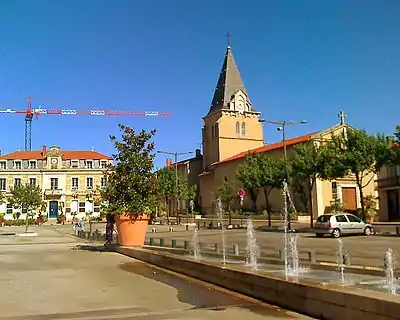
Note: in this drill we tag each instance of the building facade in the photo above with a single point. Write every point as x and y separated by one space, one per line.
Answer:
69 180
232 130
388 186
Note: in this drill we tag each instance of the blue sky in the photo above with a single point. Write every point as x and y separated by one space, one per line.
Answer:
298 59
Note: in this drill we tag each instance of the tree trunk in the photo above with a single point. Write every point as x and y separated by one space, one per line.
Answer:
310 194
360 189
26 222
230 214
253 197
266 194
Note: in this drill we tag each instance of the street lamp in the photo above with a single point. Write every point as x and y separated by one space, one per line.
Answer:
281 127
176 154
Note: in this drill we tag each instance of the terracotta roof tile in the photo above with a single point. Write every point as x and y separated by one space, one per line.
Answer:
268 147
67 155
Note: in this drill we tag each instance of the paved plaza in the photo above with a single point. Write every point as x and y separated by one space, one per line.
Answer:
54 276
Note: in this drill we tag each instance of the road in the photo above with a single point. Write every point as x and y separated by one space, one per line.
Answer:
361 249
54 276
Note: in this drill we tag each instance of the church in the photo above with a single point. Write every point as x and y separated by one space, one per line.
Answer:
232 129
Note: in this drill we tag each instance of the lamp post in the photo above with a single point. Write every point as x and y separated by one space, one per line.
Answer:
176 154
281 127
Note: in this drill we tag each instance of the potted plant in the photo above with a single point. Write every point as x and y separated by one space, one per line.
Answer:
131 185
370 205
2 220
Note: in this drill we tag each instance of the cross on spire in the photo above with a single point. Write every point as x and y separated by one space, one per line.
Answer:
229 37
342 117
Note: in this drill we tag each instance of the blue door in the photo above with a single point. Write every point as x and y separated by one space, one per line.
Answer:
53 209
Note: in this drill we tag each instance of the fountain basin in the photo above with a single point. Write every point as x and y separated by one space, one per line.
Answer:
326 301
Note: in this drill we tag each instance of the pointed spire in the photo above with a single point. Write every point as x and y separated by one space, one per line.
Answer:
229 82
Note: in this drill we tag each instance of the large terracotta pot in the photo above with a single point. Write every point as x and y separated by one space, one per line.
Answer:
131 233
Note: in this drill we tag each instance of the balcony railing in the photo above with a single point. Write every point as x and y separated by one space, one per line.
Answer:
53 192
388 182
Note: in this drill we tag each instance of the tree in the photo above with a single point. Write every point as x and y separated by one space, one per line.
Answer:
272 173
166 186
309 163
131 181
186 192
358 155
227 193
249 175
28 197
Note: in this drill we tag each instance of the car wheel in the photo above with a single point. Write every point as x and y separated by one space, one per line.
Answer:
319 235
336 233
367 231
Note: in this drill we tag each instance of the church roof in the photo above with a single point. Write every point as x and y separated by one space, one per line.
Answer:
229 82
270 147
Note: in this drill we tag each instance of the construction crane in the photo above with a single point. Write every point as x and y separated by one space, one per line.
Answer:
30 112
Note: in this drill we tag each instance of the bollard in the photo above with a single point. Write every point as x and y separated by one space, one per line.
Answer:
281 254
171 229
187 227
198 225
151 242
161 242
173 243
397 230
312 256
154 230
236 249
216 247
187 245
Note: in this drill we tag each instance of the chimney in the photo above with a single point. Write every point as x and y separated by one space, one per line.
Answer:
169 162
390 140
44 150
198 153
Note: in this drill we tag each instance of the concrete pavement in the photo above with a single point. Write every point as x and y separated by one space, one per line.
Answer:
53 276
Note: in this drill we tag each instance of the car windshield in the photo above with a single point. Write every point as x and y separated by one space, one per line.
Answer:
324 218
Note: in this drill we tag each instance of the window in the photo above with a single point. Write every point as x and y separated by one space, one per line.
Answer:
341 218
103 164
53 183
9 208
353 218
216 129
89 183
103 182
89 164
3 165
18 165
74 164
324 218
82 207
243 129
32 182
3 184
237 127
17 181
75 183
32 164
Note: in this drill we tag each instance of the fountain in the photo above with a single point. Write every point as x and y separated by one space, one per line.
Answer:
196 245
294 255
251 248
342 259
220 214
285 221
390 281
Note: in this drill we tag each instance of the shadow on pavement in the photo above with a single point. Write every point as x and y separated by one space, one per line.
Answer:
200 295
94 248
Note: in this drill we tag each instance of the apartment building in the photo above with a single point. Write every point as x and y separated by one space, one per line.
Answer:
69 180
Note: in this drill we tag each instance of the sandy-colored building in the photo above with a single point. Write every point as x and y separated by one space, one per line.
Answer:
232 130
68 179
388 186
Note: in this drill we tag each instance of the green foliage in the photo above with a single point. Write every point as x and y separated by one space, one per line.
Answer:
131 182
249 173
28 197
185 191
335 207
227 193
360 155
370 203
166 182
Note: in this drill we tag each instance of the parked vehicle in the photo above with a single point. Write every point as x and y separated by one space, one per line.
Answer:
338 224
